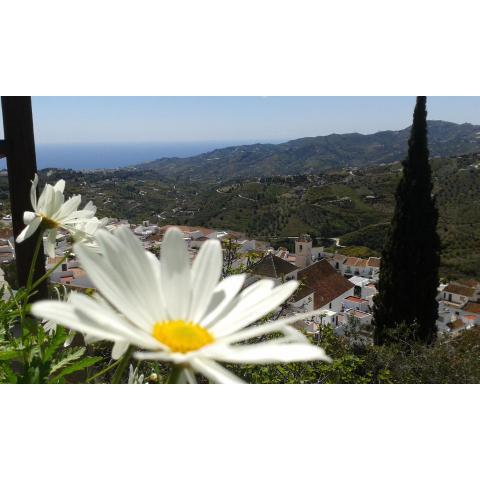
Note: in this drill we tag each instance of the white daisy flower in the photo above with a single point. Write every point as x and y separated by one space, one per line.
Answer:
85 231
52 212
49 326
176 313
133 376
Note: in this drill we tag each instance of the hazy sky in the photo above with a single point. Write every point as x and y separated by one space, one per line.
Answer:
184 119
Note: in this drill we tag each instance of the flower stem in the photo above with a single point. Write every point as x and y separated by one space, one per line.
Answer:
175 374
105 370
34 259
50 271
122 366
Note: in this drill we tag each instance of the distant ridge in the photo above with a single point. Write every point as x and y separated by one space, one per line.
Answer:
316 154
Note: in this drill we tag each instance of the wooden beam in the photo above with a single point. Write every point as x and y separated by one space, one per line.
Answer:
3 148
21 166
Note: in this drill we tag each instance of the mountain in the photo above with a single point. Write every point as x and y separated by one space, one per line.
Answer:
316 154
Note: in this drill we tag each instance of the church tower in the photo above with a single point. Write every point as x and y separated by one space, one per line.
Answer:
303 251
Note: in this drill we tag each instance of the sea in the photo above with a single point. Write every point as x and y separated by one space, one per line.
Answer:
90 156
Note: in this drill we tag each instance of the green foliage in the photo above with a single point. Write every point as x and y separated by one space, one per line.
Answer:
448 360
407 287
371 236
28 354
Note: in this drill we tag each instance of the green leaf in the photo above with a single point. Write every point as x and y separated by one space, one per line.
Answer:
56 341
10 354
80 365
70 357
7 374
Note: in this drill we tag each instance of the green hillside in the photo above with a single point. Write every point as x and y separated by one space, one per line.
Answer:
315 154
354 205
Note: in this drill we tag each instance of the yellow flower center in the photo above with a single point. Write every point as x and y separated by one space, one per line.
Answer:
48 223
181 336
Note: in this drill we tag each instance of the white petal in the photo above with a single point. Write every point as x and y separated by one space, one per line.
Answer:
265 328
146 273
42 200
29 217
267 352
291 334
119 348
51 242
189 375
246 313
100 313
175 270
29 230
90 207
68 341
33 193
46 201
60 186
214 371
206 271
58 200
114 275
64 314
248 297
160 356
68 209
222 296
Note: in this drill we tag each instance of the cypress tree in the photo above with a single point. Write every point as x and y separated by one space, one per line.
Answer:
408 282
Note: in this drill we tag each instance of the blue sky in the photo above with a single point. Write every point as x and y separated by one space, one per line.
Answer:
236 119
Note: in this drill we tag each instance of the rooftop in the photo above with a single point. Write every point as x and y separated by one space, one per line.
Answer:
273 267
459 289
472 307
455 325
356 299
360 281
301 292
373 262
323 279
351 261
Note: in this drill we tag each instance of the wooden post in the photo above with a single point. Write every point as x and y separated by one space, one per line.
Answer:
3 148
19 146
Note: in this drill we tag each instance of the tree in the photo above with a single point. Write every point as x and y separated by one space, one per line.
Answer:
408 282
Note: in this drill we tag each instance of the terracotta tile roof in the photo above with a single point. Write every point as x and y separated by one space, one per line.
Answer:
6 232
470 318
273 267
361 262
339 258
455 325
360 314
326 283
459 289
301 292
373 262
469 282
351 261
472 307
356 299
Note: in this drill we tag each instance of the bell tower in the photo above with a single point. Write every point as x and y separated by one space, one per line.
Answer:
303 251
